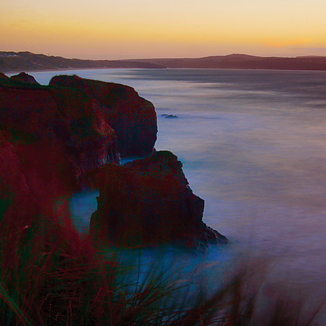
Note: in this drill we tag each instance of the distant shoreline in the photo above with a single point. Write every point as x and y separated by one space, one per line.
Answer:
11 62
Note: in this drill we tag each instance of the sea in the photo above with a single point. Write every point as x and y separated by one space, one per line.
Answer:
253 146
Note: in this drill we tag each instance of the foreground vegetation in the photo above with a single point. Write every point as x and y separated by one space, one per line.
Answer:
51 276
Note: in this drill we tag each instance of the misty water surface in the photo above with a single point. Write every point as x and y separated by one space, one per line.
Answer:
253 145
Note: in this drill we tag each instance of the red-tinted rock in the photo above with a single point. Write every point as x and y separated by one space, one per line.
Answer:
132 117
34 180
50 138
16 202
25 78
53 138
149 202
61 117
2 75
35 187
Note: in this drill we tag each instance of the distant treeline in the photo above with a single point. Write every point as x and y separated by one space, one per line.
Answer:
27 61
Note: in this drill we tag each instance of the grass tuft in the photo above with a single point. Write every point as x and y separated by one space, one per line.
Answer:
50 276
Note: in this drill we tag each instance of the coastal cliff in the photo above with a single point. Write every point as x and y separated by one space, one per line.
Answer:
132 117
57 117
57 139
50 138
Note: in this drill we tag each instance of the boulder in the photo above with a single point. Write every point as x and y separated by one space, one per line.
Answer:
132 117
149 202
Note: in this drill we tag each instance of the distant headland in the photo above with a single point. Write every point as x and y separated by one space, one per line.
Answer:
27 61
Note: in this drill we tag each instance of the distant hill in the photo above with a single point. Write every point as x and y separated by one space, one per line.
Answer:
242 61
27 61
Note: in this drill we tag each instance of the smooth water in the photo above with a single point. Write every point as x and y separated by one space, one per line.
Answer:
253 145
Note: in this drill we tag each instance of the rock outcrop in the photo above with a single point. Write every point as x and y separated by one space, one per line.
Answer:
57 117
149 202
16 202
35 184
56 139
132 117
25 78
50 137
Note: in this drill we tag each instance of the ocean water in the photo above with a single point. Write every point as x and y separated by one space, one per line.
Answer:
253 146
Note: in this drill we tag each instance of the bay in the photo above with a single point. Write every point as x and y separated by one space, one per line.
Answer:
253 146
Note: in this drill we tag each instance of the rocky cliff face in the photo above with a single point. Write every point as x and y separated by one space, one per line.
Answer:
16 202
55 139
35 184
49 138
149 202
132 117
60 117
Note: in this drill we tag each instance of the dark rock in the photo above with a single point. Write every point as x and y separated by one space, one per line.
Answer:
3 79
55 139
58 117
25 78
149 202
35 182
132 117
16 202
50 137
169 116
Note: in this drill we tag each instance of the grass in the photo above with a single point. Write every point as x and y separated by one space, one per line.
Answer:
51 276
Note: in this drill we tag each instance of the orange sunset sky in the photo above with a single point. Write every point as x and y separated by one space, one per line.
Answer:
107 29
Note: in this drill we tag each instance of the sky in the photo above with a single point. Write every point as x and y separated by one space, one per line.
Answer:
121 29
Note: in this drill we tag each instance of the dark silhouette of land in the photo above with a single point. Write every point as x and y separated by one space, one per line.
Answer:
27 61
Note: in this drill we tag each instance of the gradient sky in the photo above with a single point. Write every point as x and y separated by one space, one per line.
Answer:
107 29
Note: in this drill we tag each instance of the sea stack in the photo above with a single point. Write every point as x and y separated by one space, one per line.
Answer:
149 202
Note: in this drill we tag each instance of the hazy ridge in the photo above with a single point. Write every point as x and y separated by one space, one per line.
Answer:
27 61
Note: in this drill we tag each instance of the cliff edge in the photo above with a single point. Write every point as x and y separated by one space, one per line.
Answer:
132 117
